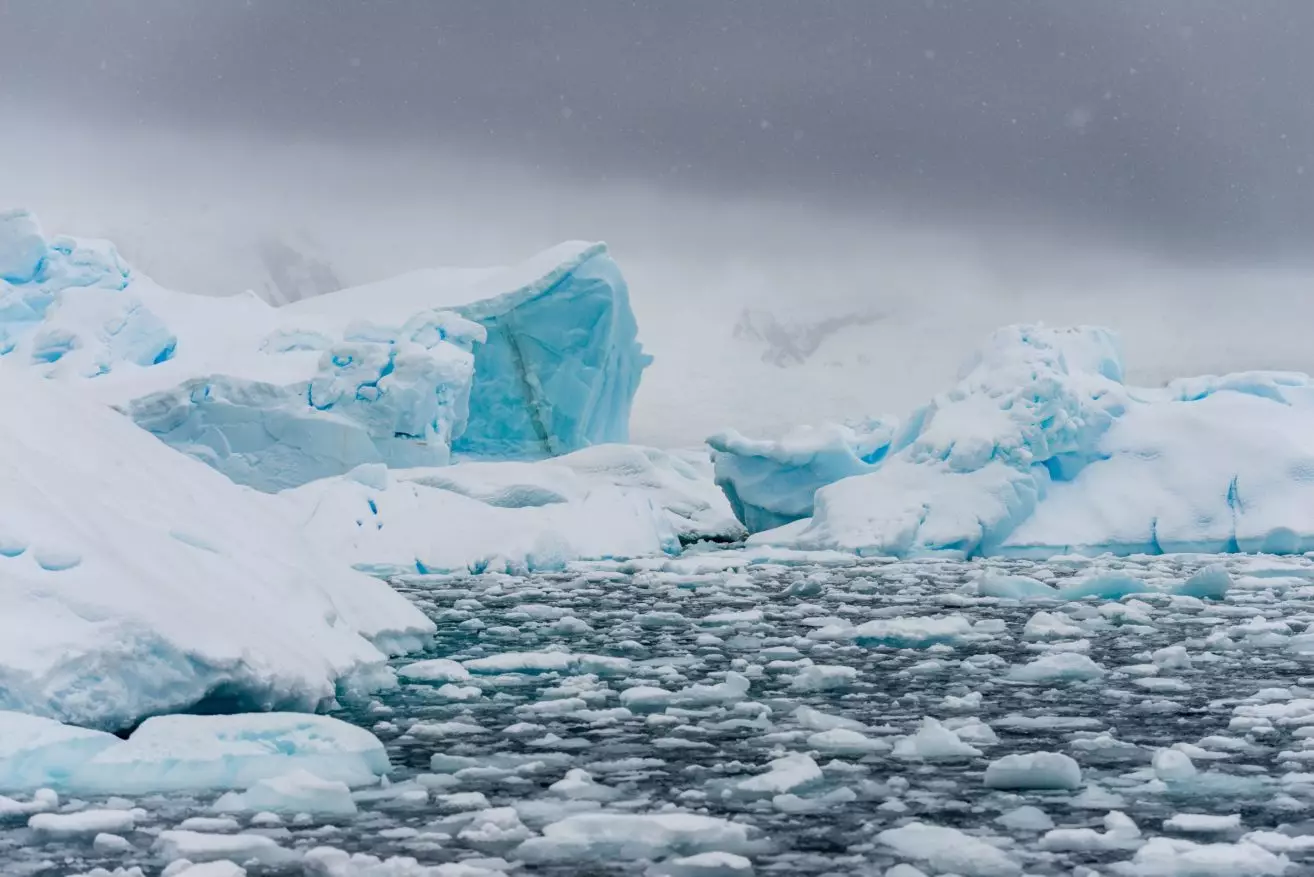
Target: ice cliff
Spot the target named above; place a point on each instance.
(771, 483)
(136, 581)
(1041, 449)
(561, 361)
(531, 361)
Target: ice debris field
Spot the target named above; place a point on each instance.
(373, 586)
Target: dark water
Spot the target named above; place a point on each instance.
(731, 649)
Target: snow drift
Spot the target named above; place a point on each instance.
(136, 581)
(532, 361)
(1041, 449)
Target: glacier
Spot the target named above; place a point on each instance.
(136, 581)
(1041, 449)
(525, 362)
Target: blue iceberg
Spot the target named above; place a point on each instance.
(561, 361)
(771, 483)
(1042, 449)
(526, 362)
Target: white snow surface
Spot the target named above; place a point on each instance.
(136, 581)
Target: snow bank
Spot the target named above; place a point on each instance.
(561, 362)
(1041, 449)
(531, 361)
(392, 522)
(136, 581)
(770, 483)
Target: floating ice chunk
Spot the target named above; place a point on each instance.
(1173, 766)
(933, 741)
(626, 837)
(42, 800)
(842, 741)
(82, 822)
(522, 662)
(733, 688)
(434, 670)
(1026, 818)
(949, 850)
(198, 847)
(1049, 625)
(714, 864)
(1211, 583)
(785, 774)
(220, 868)
(1201, 823)
(296, 792)
(494, 827)
(1055, 668)
(912, 632)
(815, 720)
(1170, 857)
(36, 752)
(1010, 587)
(111, 844)
(209, 824)
(579, 785)
(1120, 832)
(169, 753)
(1034, 770)
(824, 677)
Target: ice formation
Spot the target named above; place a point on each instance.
(561, 362)
(771, 483)
(137, 581)
(1041, 449)
(532, 361)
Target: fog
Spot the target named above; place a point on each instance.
(819, 208)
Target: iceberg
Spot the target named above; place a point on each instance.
(560, 362)
(772, 483)
(136, 581)
(532, 361)
(391, 522)
(1041, 449)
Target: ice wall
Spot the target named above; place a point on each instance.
(562, 360)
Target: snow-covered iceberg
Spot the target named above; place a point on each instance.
(136, 581)
(607, 501)
(771, 483)
(531, 361)
(1042, 449)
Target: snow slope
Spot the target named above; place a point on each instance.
(1041, 449)
(135, 580)
(276, 397)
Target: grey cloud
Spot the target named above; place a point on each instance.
(1174, 122)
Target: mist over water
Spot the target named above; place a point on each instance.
(819, 211)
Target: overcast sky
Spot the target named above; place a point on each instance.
(1187, 123)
